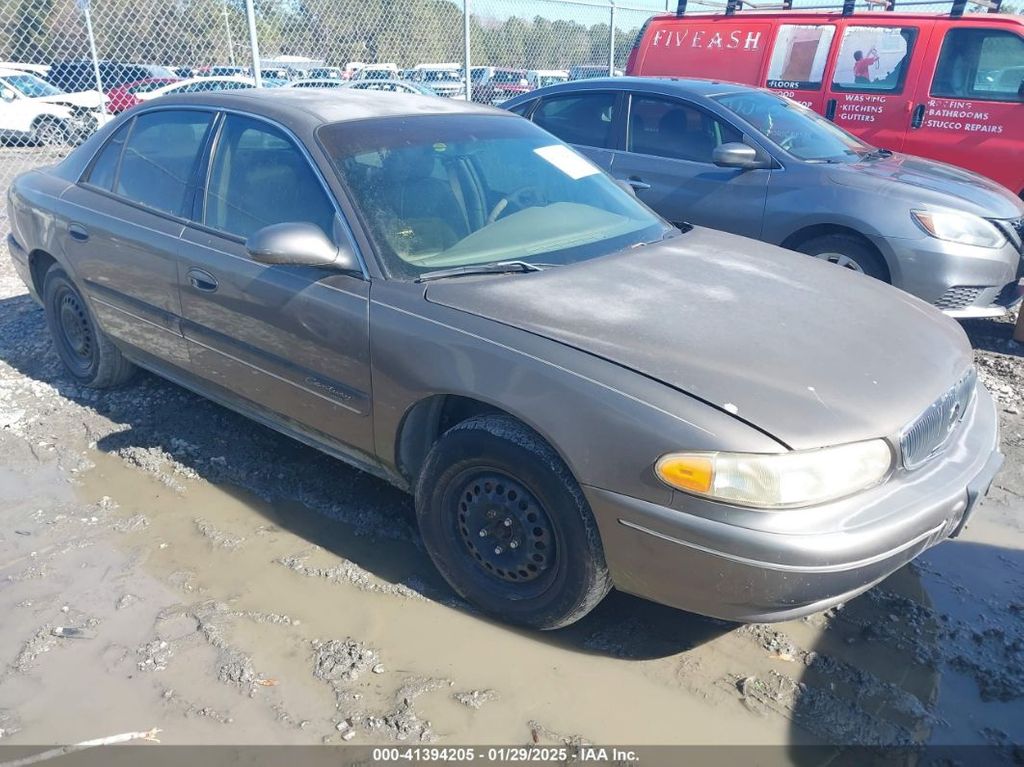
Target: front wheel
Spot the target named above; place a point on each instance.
(51, 133)
(88, 355)
(507, 525)
(847, 252)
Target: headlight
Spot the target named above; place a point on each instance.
(778, 480)
(963, 228)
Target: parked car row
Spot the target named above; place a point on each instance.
(578, 393)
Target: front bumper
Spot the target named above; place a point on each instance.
(800, 561)
(962, 280)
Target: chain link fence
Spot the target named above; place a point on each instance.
(58, 56)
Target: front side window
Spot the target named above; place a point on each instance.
(802, 133)
(160, 158)
(585, 118)
(799, 57)
(672, 129)
(259, 177)
(439, 191)
(874, 59)
(985, 64)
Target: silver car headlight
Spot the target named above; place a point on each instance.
(771, 481)
(959, 227)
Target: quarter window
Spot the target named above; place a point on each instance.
(584, 119)
(675, 130)
(160, 158)
(874, 59)
(259, 177)
(103, 172)
(799, 57)
(985, 64)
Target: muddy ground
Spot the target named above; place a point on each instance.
(167, 563)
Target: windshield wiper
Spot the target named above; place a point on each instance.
(500, 267)
(877, 154)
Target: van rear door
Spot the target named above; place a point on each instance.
(799, 58)
(874, 76)
(969, 110)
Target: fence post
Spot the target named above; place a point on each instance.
(227, 29)
(254, 44)
(84, 5)
(611, 42)
(466, 44)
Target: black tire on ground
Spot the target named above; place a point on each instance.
(50, 132)
(508, 526)
(88, 355)
(849, 252)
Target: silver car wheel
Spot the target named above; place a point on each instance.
(841, 260)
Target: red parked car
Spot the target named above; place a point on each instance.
(123, 96)
(947, 87)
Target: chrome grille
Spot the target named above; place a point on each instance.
(928, 433)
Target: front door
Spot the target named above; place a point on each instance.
(971, 113)
(873, 79)
(293, 340)
(668, 160)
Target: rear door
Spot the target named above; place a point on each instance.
(668, 161)
(970, 110)
(873, 77)
(799, 58)
(290, 339)
(124, 220)
(585, 119)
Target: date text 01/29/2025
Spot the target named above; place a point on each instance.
(501, 754)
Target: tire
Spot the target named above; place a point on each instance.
(89, 356)
(50, 132)
(508, 526)
(848, 252)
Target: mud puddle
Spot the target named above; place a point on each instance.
(221, 617)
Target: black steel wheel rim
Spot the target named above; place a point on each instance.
(75, 334)
(504, 529)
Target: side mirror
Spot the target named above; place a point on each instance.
(298, 243)
(736, 155)
(7, 94)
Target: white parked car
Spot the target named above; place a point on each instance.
(34, 112)
(317, 82)
(444, 79)
(392, 86)
(199, 85)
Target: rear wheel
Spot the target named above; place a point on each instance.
(50, 132)
(88, 355)
(507, 525)
(847, 252)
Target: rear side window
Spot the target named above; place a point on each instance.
(985, 64)
(678, 131)
(874, 59)
(160, 158)
(103, 172)
(259, 177)
(799, 57)
(584, 118)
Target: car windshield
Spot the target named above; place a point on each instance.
(441, 191)
(32, 86)
(796, 129)
(442, 75)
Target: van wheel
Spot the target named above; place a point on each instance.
(88, 355)
(507, 525)
(847, 252)
(50, 132)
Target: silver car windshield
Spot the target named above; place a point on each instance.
(796, 129)
(440, 191)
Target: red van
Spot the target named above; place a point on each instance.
(948, 87)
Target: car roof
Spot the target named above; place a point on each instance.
(681, 86)
(306, 108)
(8, 72)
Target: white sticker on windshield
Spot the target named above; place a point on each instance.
(567, 161)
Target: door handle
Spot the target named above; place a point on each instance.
(202, 280)
(917, 120)
(830, 109)
(78, 232)
(637, 183)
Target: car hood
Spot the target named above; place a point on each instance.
(807, 352)
(926, 181)
(87, 99)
